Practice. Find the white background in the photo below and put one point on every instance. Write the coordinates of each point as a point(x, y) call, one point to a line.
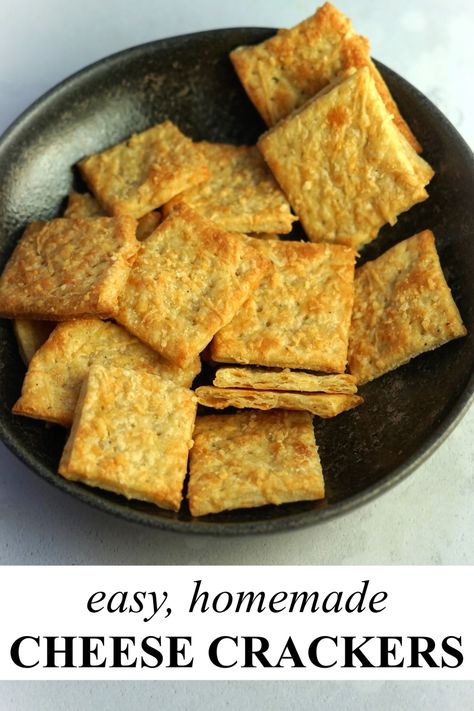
point(426, 519)
point(388, 601)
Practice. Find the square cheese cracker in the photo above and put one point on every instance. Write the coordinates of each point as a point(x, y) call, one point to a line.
point(282, 73)
point(287, 380)
point(321, 404)
point(55, 375)
point(241, 194)
point(132, 433)
point(253, 459)
point(299, 315)
point(144, 172)
point(343, 164)
point(68, 269)
point(402, 307)
point(189, 279)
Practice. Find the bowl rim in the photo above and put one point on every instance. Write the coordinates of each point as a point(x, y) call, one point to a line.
point(199, 526)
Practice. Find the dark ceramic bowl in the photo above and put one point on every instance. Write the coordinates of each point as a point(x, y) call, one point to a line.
point(190, 80)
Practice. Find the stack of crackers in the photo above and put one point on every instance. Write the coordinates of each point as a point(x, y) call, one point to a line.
point(175, 256)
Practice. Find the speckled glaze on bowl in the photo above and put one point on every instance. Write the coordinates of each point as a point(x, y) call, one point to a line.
point(190, 80)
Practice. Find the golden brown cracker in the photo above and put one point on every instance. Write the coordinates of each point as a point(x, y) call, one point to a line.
point(282, 73)
point(69, 269)
point(189, 279)
point(343, 164)
point(402, 307)
point(253, 459)
point(144, 172)
point(241, 195)
point(132, 432)
point(53, 381)
point(299, 314)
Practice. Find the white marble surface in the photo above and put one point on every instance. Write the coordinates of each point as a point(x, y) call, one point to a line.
point(426, 519)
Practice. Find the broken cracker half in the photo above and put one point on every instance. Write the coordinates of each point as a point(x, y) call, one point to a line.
point(144, 172)
point(241, 194)
point(67, 269)
point(299, 314)
point(343, 164)
point(189, 279)
point(55, 375)
point(252, 459)
point(402, 307)
point(131, 435)
point(286, 380)
point(321, 404)
point(283, 72)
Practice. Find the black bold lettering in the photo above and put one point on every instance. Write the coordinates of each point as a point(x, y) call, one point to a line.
point(259, 654)
point(52, 652)
point(453, 652)
point(386, 651)
point(213, 652)
point(176, 652)
point(88, 651)
point(152, 651)
point(119, 651)
point(15, 652)
point(290, 652)
point(350, 651)
point(416, 652)
point(313, 652)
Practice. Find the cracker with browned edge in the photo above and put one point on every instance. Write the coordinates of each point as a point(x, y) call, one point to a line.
point(132, 433)
point(286, 380)
point(321, 404)
point(85, 205)
point(402, 307)
point(343, 164)
point(282, 73)
point(69, 269)
point(53, 381)
point(241, 194)
point(31, 335)
point(299, 315)
point(144, 172)
point(253, 459)
point(189, 279)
